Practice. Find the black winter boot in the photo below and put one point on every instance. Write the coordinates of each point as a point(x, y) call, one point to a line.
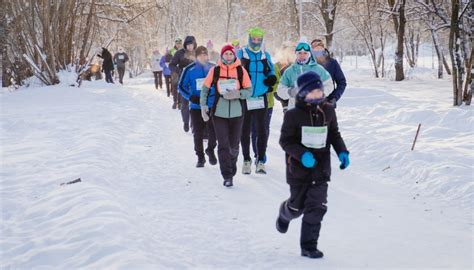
point(281, 225)
point(285, 215)
point(312, 253)
point(228, 182)
point(309, 240)
point(201, 161)
point(212, 157)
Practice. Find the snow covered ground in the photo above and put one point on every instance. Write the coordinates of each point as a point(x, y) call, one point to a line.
point(142, 204)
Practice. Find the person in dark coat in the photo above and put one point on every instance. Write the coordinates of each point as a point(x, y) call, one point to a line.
point(178, 45)
point(181, 59)
point(324, 58)
point(107, 64)
point(307, 133)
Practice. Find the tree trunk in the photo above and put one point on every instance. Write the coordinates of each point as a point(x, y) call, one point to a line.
point(229, 15)
point(454, 50)
point(468, 54)
point(399, 22)
point(439, 54)
point(445, 62)
point(328, 12)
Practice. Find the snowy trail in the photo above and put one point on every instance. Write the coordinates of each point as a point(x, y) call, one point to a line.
point(143, 204)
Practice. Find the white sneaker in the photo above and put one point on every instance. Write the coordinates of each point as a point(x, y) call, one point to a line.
point(260, 168)
point(247, 168)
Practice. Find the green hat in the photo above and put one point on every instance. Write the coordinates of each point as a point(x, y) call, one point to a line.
point(178, 40)
point(256, 32)
point(235, 42)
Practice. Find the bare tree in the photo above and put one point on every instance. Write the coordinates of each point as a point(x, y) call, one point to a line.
point(397, 11)
point(370, 25)
point(436, 19)
point(328, 10)
point(460, 48)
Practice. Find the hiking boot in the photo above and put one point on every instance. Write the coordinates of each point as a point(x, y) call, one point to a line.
point(228, 182)
point(311, 253)
point(247, 168)
point(260, 168)
point(200, 163)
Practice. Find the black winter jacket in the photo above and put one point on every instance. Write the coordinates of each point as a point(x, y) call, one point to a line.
point(305, 114)
point(182, 58)
point(107, 64)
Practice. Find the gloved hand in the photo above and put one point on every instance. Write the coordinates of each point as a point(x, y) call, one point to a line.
point(234, 94)
point(292, 92)
point(332, 102)
point(194, 99)
point(205, 113)
point(308, 160)
point(270, 80)
point(344, 159)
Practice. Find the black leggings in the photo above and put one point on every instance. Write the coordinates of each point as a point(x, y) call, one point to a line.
point(158, 79)
point(168, 84)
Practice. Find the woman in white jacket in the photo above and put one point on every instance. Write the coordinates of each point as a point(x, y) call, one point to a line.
point(157, 69)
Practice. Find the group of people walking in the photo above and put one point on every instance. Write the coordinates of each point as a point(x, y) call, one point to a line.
point(109, 63)
point(230, 102)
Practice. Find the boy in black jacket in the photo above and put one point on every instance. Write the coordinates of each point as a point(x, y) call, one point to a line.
point(307, 133)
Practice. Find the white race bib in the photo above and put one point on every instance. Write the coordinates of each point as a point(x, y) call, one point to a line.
point(255, 103)
point(314, 137)
point(227, 86)
point(199, 83)
point(121, 57)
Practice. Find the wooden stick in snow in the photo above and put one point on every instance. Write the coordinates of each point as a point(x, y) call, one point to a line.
point(416, 137)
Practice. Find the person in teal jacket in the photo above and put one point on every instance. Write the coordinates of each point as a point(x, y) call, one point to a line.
point(305, 61)
point(259, 65)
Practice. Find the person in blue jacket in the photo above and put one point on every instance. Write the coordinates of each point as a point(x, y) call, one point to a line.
point(189, 86)
point(332, 66)
point(164, 63)
point(259, 65)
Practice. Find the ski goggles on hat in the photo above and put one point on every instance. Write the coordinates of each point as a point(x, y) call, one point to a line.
point(303, 47)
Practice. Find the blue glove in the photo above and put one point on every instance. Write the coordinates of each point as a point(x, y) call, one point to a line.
point(308, 160)
point(344, 159)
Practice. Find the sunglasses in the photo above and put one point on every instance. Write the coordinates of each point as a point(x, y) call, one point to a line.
point(319, 53)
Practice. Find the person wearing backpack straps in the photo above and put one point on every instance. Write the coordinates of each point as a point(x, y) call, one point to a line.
point(259, 65)
point(233, 87)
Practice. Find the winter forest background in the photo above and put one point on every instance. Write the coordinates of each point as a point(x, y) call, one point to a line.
point(43, 37)
point(96, 175)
